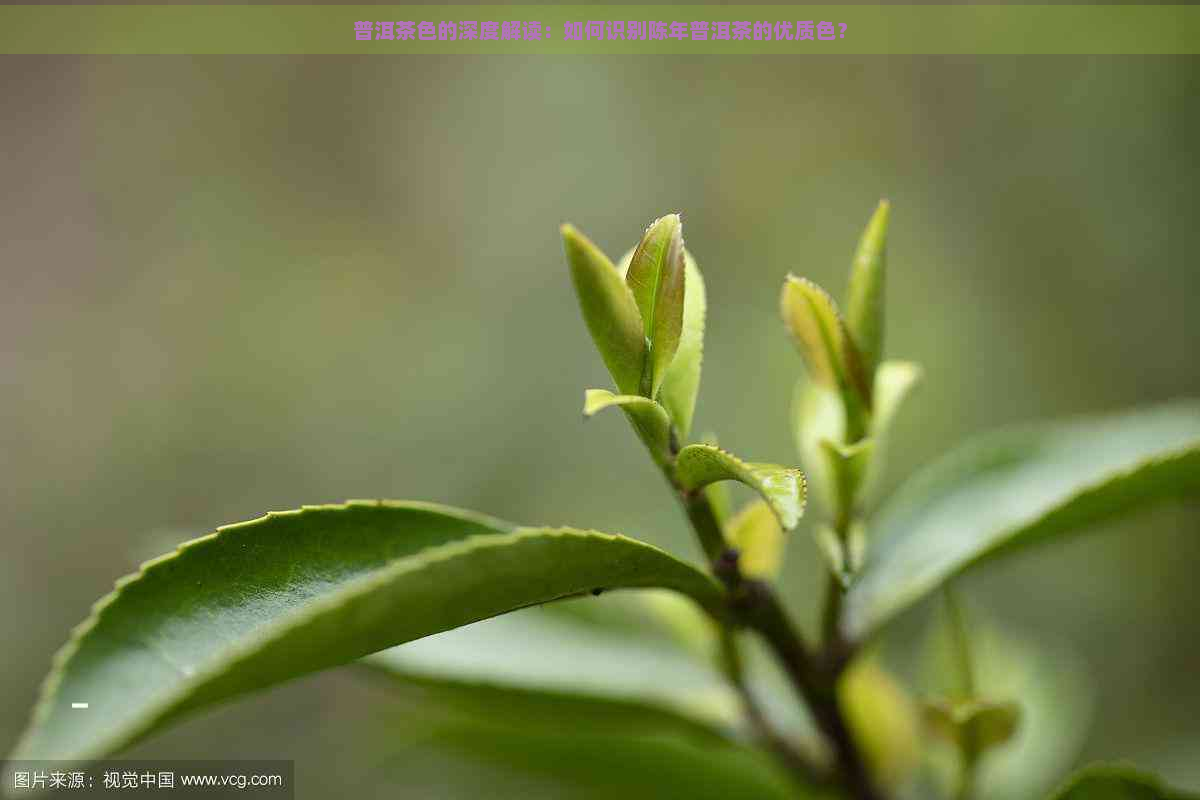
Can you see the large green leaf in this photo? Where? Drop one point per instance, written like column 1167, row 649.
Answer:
column 1116, row 782
column 505, row 746
column 261, row 602
column 623, row 673
column 699, row 465
column 609, row 310
column 541, row 652
column 1015, row 488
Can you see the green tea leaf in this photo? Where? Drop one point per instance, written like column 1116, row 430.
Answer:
column 536, row 651
column 597, row 663
column 755, row 532
column 1116, row 782
column 973, row 723
column 1015, row 488
column 865, row 302
column 648, row 418
column 609, row 310
column 682, row 381
column 883, row 719
column 656, row 277
column 817, row 416
column 673, row 616
column 513, row 749
column 681, row 384
column 698, row 465
column 721, row 500
column 830, row 354
column 848, row 466
column 894, row 381
column 1052, row 683
column 830, row 545
column 261, row 602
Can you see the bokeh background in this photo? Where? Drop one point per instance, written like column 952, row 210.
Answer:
column 236, row 284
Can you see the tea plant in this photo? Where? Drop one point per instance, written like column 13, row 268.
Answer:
column 260, row 602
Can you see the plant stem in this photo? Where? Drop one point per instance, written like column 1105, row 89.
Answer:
column 754, row 605
column 966, row 778
column 799, row 763
column 838, row 650
column 704, row 523
column 961, row 642
column 761, row 611
column 969, row 747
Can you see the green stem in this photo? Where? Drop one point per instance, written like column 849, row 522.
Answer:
column 798, row 763
column 961, row 643
column 754, row 605
column 838, row 650
column 966, row 777
column 760, row 610
column 704, row 522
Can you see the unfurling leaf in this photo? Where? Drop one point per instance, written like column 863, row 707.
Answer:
column 756, row 534
column 647, row 417
column 657, row 279
column 817, row 416
column 829, row 353
column 682, row 381
column 698, row 465
column 1015, row 488
column 894, row 381
column 609, row 310
column 865, row 301
column 291, row 593
column 973, row 725
column 833, row 549
column 848, row 466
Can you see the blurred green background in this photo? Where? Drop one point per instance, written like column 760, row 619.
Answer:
column 239, row 284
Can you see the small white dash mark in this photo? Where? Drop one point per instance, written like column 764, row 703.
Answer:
column 79, row 705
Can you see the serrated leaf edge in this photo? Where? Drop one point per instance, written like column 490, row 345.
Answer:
column 755, row 469
column 993, row 445
column 507, row 534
